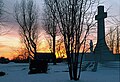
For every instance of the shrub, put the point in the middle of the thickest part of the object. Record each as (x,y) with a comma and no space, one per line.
(2,73)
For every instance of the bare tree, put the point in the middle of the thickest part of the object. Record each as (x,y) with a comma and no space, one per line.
(60,47)
(4,15)
(22,54)
(117,21)
(50,23)
(26,15)
(75,18)
(113,37)
(1,7)
(49,40)
(1,13)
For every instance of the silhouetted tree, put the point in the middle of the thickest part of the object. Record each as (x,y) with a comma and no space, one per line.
(26,15)
(60,47)
(1,12)
(113,38)
(22,53)
(75,18)
(117,21)
(4,19)
(50,23)
(1,7)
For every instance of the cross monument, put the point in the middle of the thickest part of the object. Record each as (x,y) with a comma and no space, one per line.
(102,52)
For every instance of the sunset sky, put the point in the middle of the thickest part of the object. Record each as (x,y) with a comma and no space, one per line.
(10,42)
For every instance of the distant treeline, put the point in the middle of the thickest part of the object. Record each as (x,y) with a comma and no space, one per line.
(4,60)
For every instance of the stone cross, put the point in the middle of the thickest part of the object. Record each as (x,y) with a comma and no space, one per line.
(101,50)
(101,26)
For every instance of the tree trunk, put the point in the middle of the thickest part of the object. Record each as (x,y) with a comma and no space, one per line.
(34,56)
(54,59)
(117,43)
(75,71)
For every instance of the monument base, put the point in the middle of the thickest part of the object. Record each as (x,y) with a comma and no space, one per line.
(102,53)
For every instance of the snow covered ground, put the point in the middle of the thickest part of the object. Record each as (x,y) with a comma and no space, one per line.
(56,73)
